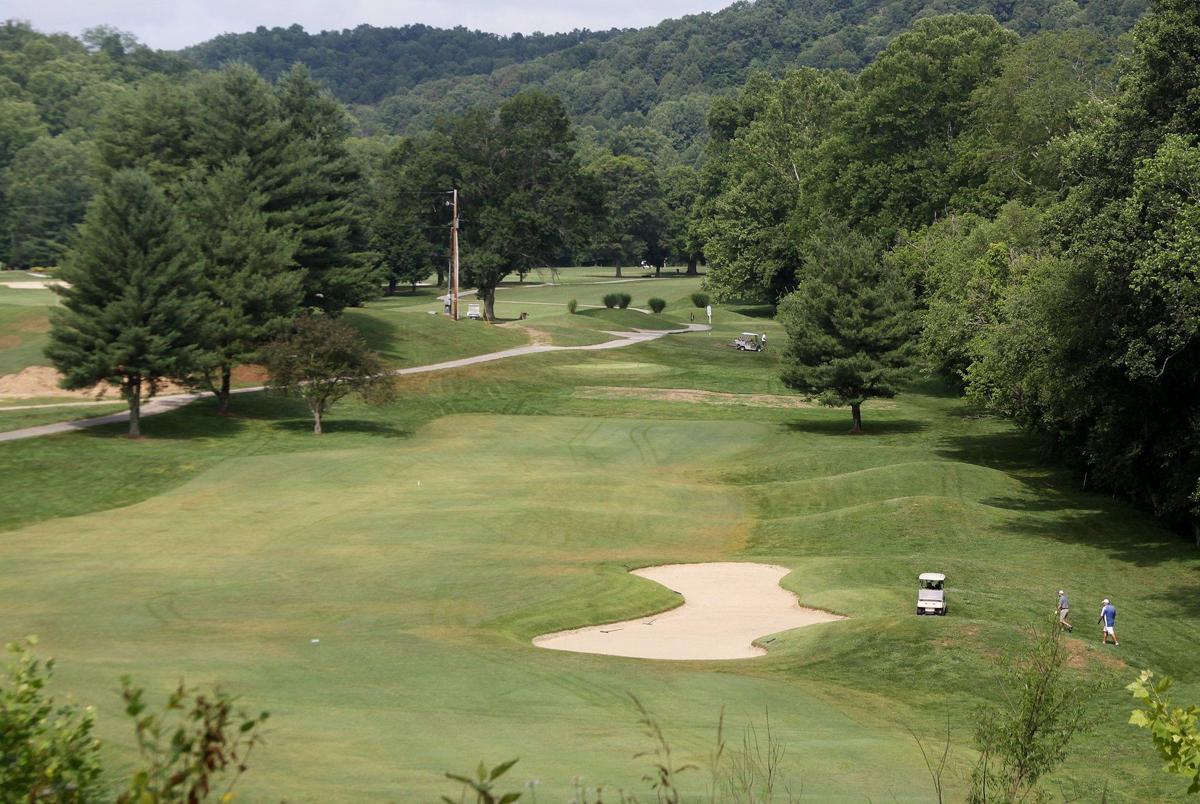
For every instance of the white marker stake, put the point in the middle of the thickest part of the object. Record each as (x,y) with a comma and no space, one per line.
(708,310)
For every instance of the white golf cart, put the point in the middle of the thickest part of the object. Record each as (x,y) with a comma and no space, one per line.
(750,342)
(931,593)
(473,312)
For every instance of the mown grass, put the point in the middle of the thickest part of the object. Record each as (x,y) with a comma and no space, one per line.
(426,543)
(24,326)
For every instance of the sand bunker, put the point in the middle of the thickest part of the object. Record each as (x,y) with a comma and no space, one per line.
(726,607)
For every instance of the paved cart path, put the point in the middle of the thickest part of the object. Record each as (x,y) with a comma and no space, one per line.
(162,404)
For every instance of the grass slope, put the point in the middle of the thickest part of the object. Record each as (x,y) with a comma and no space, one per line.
(425,544)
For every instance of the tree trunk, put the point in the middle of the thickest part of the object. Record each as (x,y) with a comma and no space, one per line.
(441,277)
(489,305)
(224,394)
(691,269)
(657,271)
(316,412)
(391,290)
(856,413)
(134,390)
(617,265)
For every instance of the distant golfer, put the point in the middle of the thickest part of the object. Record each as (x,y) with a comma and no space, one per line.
(1064,609)
(1108,620)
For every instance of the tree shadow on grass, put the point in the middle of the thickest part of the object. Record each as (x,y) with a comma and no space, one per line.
(336,426)
(841,427)
(1183,598)
(1120,532)
(197,420)
(1008,450)
(754,310)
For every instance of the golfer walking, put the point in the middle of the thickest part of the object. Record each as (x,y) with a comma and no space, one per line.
(1064,608)
(1108,620)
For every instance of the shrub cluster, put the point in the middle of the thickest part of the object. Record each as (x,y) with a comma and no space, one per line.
(610,300)
(700,299)
(657,304)
(571,305)
(623,300)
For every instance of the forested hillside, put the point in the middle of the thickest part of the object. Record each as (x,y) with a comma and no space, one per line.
(645,91)
(366,64)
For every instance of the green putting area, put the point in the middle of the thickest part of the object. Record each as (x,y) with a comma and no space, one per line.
(427,543)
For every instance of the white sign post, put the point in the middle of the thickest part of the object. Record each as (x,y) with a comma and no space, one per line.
(708,310)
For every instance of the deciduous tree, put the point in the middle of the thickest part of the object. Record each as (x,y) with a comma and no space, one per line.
(324,360)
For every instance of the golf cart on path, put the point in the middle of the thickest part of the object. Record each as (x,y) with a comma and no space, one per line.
(750,342)
(931,593)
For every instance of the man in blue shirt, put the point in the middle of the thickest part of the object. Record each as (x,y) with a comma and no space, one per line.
(1108,620)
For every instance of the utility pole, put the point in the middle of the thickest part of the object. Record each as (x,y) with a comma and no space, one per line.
(454,256)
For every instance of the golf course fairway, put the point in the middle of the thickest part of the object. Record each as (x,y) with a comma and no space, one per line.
(427,543)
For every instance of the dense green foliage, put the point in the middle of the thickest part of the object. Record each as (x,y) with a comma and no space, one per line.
(651,85)
(1043,213)
(52,91)
(130,315)
(1173,729)
(366,64)
(47,751)
(521,185)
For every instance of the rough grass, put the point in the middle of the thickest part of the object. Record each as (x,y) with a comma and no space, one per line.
(426,543)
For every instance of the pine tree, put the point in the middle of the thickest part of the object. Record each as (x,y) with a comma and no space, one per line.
(249,283)
(129,315)
(317,196)
(850,325)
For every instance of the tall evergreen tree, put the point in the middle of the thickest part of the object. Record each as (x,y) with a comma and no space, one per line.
(248,278)
(129,314)
(850,325)
(317,199)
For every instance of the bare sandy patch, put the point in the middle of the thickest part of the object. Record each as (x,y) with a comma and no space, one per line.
(537,337)
(694,396)
(250,373)
(42,381)
(35,285)
(726,607)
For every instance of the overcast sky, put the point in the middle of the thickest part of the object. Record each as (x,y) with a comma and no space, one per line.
(172,25)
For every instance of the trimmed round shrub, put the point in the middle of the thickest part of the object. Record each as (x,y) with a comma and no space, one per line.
(611,299)
(623,300)
(657,304)
(571,305)
(700,299)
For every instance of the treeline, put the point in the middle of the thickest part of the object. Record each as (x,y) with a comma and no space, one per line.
(366,64)
(1035,211)
(53,91)
(649,87)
